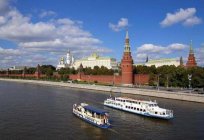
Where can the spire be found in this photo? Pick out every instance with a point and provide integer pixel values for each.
(181, 61)
(127, 36)
(127, 45)
(147, 59)
(191, 48)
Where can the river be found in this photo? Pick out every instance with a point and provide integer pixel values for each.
(35, 112)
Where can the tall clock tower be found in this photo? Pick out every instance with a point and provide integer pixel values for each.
(127, 64)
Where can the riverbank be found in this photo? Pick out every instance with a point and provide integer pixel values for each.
(144, 92)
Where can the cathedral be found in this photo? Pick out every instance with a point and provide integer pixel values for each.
(69, 62)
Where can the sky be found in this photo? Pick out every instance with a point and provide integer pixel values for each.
(42, 31)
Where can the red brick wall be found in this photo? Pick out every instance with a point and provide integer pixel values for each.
(141, 79)
(21, 75)
(73, 76)
(106, 79)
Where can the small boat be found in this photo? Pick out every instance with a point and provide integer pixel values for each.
(141, 107)
(92, 115)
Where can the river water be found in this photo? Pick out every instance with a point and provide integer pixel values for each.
(35, 112)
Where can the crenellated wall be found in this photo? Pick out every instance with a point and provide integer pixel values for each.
(141, 79)
(23, 75)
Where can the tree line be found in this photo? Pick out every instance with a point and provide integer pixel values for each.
(172, 76)
(168, 76)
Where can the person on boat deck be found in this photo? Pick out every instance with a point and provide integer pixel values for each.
(105, 118)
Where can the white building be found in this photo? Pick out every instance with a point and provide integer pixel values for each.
(66, 63)
(162, 62)
(96, 60)
(18, 67)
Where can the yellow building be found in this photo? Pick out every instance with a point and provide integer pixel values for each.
(96, 60)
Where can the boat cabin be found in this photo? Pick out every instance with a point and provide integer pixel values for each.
(97, 113)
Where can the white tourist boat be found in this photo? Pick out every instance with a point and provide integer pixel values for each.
(92, 115)
(141, 107)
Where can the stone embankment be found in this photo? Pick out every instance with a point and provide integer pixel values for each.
(145, 92)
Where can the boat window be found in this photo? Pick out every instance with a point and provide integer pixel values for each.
(155, 112)
(163, 113)
(139, 103)
(138, 109)
(131, 107)
(144, 110)
(134, 108)
(126, 107)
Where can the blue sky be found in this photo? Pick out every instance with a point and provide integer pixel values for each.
(41, 31)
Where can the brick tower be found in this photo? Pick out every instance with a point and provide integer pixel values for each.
(191, 58)
(127, 64)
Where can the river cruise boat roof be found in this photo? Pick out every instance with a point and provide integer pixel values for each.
(96, 110)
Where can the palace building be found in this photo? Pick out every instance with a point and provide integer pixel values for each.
(165, 61)
(96, 60)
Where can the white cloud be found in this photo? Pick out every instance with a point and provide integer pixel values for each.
(176, 47)
(199, 54)
(6, 52)
(49, 39)
(158, 51)
(192, 21)
(122, 23)
(2, 20)
(47, 14)
(151, 48)
(186, 16)
(4, 6)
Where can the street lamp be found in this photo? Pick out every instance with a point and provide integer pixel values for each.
(189, 80)
(158, 81)
(113, 77)
(167, 81)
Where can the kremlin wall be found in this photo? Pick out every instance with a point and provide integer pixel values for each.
(126, 78)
